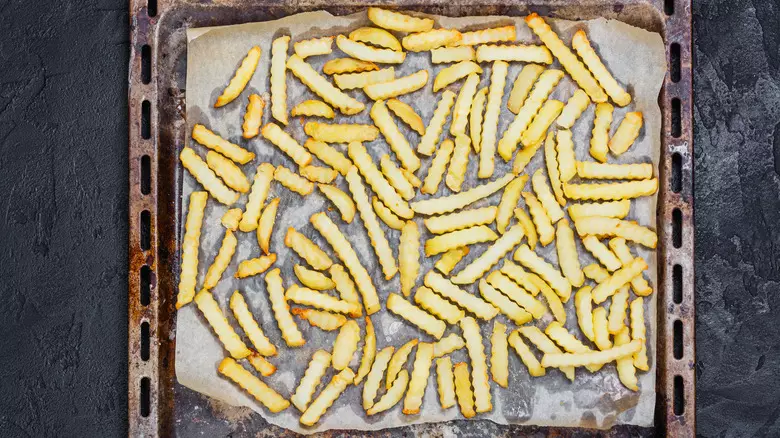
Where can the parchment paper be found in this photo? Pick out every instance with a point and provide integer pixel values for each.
(634, 56)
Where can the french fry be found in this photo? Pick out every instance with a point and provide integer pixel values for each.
(535, 369)
(273, 133)
(327, 396)
(370, 221)
(522, 86)
(313, 279)
(460, 113)
(347, 254)
(446, 204)
(545, 345)
(314, 47)
(504, 304)
(319, 300)
(420, 372)
(456, 173)
(387, 216)
(591, 358)
(617, 311)
(638, 283)
(518, 295)
(392, 396)
(558, 333)
(553, 300)
(395, 138)
(249, 325)
(479, 372)
(591, 170)
(611, 191)
(445, 383)
(278, 80)
(407, 114)
(227, 336)
(545, 196)
(618, 209)
(293, 181)
(438, 167)
(240, 79)
(399, 22)
(398, 361)
(575, 106)
(455, 72)
(491, 35)
(544, 118)
(475, 118)
(463, 389)
(211, 140)
(368, 53)
(618, 279)
(345, 345)
(477, 268)
(583, 304)
(438, 306)
(499, 355)
(612, 227)
(541, 219)
(221, 261)
(599, 137)
(317, 174)
(261, 183)
(261, 364)
(456, 239)
(398, 86)
(396, 177)
(412, 178)
(530, 230)
(340, 132)
(638, 333)
(601, 253)
(265, 225)
(568, 60)
(447, 345)
(600, 331)
(520, 276)
(509, 200)
(382, 188)
(627, 132)
(524, 157)
(446, 55)
(514, 53)
(307, 250)
(567, 254)
(473, 304)
(450, 259)
(347, 65)
(290, 333)
(377, 37)
(256, 266)
(231, 219)
(581, 44)
(329, 155)
(409, 256)
(321, 87)
(350, 81)
(430, 39)
(487, 148)
(545, 270)
(206, 177)
(374, 378)
(189, 248)
(344, 284)
(254, 386)
(253, 116)
(369, 352)
(318, 318)
(418, 317)
(318, 365)
(625, 365)
(566, 159)
(596, 272)
(313, 108)
(435, 126)
(341, 200)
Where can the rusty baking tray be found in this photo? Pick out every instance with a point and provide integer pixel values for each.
(158, 406)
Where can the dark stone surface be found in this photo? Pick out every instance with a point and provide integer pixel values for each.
(63, 172)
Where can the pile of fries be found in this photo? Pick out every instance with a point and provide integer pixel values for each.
(334, 290)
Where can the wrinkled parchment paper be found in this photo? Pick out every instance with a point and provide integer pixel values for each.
(635, 57)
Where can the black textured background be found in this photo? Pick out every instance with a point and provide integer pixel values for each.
(63, 213)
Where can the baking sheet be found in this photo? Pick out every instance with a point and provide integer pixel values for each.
(636, 58)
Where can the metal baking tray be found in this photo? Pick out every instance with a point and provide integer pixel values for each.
(158, 406)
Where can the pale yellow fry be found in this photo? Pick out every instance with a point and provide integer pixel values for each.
(254, 386)
(418, 317)
(596, 272)
(490, 35)
(345, 345)
(455, 72)
(261, 364)
(329, 155)
(583, 304)
(479, 372)
(380, 186)
(599, 136)
(638, 333)
(435, 126)
(190, 247)
(522, 86)
(447, 345)
(375, 233)
(618, 279)
(545, 196)
(341, 200)
(314, 47)
(273, 133)
(627, 132)
(509, 200)
(456, 239)
(542, 121)
(618, 209)
(450, 259)
(524, 157)
(392, 396)
(487, 149)
(221, 261)
(567, 254)
(456, 173)
(518, 295)
(398, 361)
(467, 301)
(545, 270)
(530, 230)
(553, 300)
(398, 86)
(396, 177)
(206, 177)
(591, 170)
(397, 141)
(347, 65)
(541, 219)
(313, 108)
(504, 304)
(446, 204)
(211, 140)
(320, 300)
(307, 250)
(387, 216)
(535, 369)
(375, 36)
(222, 328)
(460, 112)
(475, 118)
(409, 256)
(438, 167)
(326, 398)
(368, 53)
(437, 305)
(318, 318)
(460, 220)
(545, 345)
(261, 184)
(407, 114)
(231, 218)
(625, 365)
(421, 370)
(575, 106)
(240, 79)
(581, 44)
(477, 268)
(340, 132)
(431, 39)
(374, 378)
(608, 226)
(638, 283)
(347, 254)
(290, 333)
(600, 330)
(611, 191)
(399, 22)
(253, 116)
(350, 81)
(321, 87)
(256, 266)
(446, 55)
(463, 389)
(265, 225)
(499, 355)
(617, 311)
(369, 352)
(278, 80)
(293, 181)
(591, 358)
(445, 382)
(318, 174)
(601, 253)
(566, 157)
(344, 284)
(412, 178)
(568, 342)
(313, 279)
(568, 60)
(250, 326)
(318, 365)
(514, 53)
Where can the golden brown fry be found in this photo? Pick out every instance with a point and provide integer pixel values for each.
(499, 355)
(250, 267)
(321, 87)
(231, 218)
(456, 173)
(240, 79)
(479, 372)
(514, 53)
(601, 253)
(211, 140)
(565, 153)
(347, 65)
(387, 216)
(398, 361)
(522, 86)
(319, 318)
(227, 336)
(344, 284)
(581, 44)
(259, 390)
(627, 132)
(546, 197)
(638, 283)
(583, 304)
(307, 250)
(530, 230)
(450, 259)
(265, 225)
(340, 132)
(261, 364)
(350, 81)
(545, 270)
(206, 177)
(445, 383)
(600, 331)
(396, 177)
(541, 220)
(591, 358)
(317, 174)
(638, 333)
(545, 345)
(487, 148)
(369, 352)
(462, 108)
(313, 279)
(567, 254)
(341, 200)
(290, 333)
(524, 157)
(591, 170)
(392, 396)
(504, 304)
(625, 365)
(329, 155)
(377, 37)
(535, 369)
(293, 181)
(345, 345)
(399, 22)
(320, 300)
(250, 326)
(463, 389)
(617, 311)
(618, 209)
(509, 200)
(446, 204)
(599, 137)
(438, 167)
(318, 365)
(430, 39)
(278, 80)
(611, 191)
(190, 247)
(368, 53)
(618, 279)
(446, 55)
(456, 239)
(327, 396)
(477, 268)
(418, 317)
(273, 133)
(407, 114)
(455, 72)
(475, 118)
(608, 226)
(382, 188)
(435, 126)
(395, 138)
(260, 185)
(412, 178)
(575, 106)
(374, 377)
(313, 108)
(420, 372)
(437, 305)
(472, 303)
(542, 121)
(409, 256)
(314, 47)
(253, 116)
(398, 86)
(228, 171)
(221, 261)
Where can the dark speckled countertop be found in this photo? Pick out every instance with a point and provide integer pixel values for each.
(63, 214)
